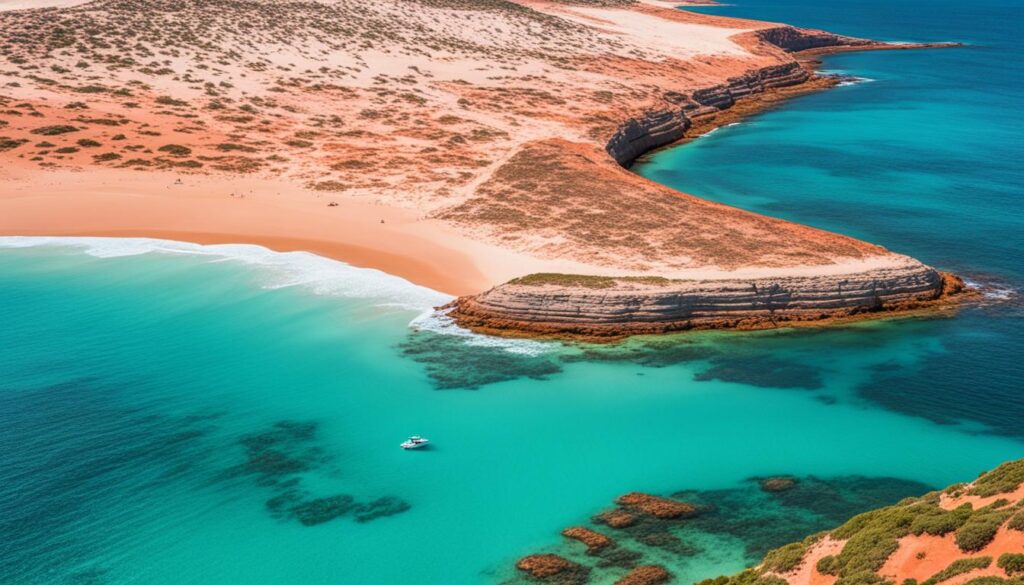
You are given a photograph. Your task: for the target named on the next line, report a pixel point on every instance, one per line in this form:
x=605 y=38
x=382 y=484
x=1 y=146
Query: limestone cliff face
x=614 y=307
x=793 y=39
x=611 y=307
x=660 y=127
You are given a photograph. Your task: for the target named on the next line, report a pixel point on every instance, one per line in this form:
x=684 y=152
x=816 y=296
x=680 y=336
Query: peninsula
x=478 y=147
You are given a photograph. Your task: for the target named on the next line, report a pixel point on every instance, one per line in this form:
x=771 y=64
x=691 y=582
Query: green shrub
x=828 y=565
x=1001 y=480
x=959 y=567
x=106 y=156
x=785 y=559
x=175 y=150
x=167 y=100
x=872 y=538
x=990 y=580
x=585 y=280
x=1012 y=563
x=980 y=529
x=864 y=578
x=9 y=143
x=88 y=143
x=119 y=137
x=229 y=146
x=91 y=89
x=299 y=143
x=1017 y=522
x=54 y=130
x=938 y=522
x=67 y=150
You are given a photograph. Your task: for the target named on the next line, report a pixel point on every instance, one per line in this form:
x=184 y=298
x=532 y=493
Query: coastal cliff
x=613 y=307
x=657 y=128
x=594 y=307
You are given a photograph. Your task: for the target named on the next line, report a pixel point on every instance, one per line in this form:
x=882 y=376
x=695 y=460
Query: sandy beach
x=458 y=168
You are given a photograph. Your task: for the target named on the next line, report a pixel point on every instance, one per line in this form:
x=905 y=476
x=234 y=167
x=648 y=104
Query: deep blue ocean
x=172 y=413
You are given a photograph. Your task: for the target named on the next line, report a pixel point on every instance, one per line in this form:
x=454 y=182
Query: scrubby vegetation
x=1003 y=479
x=1012 y=563
x=175 y=150
x=9 y=143
x=786 y=558
x=1017 y=522
x=958 y=567
x=872 y=537
x=54 y=130
x=585 y=281
x=980 y=529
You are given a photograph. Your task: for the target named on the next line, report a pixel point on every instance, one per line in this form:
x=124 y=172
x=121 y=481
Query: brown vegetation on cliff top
x=420 y=109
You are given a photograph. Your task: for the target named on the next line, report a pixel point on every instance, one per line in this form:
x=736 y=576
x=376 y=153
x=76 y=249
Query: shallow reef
x=451 y=363
x=278 y=457
x=763 y=371
x=762 y=513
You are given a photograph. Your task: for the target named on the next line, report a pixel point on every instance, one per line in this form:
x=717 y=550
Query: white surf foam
x=994 y=291
x=847 y=78
x=439 y=322
x=320 y=275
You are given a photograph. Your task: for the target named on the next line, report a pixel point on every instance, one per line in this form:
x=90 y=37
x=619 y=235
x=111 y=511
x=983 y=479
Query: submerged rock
x=553 y=569
x=615 y=518
x=379 y=508
x=646 y=575
x=595 y=541
x=617 y=556
x=323 y=510
x=777 y=484
x=656 y=506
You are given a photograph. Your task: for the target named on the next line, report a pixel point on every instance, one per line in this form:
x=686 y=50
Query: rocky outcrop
x=549 y=567
x=611 y=307
x=792 y=39
x=656 y=506
x=595 y=541
x=777 y=484
x=657 y=128
x=645 y=133
x=646 y=575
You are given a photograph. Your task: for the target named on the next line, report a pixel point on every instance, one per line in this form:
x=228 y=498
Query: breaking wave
x=322 y=276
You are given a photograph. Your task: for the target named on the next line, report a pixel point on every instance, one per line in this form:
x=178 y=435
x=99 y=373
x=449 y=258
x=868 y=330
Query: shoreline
x=473 y=240
x=772 y=98
x=394 y=244
x=565 y=306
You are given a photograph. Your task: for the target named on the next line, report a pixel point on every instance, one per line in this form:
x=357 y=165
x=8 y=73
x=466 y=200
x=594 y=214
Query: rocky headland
x=463 y=144
x=599 y=308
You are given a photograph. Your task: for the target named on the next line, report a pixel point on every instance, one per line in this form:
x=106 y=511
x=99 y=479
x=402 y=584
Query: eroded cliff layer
x=612 y=307
x=660 y=127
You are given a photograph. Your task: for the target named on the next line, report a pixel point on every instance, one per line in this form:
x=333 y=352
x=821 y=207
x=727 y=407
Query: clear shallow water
x=173 y=416
x=156 y=406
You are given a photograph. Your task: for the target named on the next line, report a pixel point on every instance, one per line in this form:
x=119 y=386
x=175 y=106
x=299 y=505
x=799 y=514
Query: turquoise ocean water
x=172 y=413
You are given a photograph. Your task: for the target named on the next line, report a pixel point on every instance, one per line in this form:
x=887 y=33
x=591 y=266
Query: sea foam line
x=323 y=276
x=318 y=274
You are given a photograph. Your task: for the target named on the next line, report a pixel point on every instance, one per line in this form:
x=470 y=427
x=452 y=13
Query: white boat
x=415 y=442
